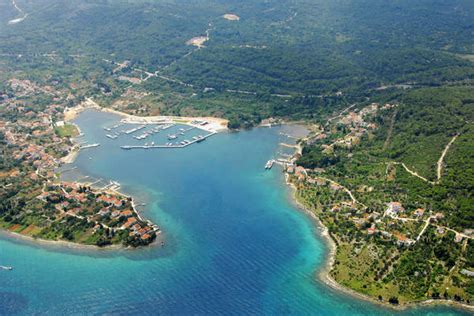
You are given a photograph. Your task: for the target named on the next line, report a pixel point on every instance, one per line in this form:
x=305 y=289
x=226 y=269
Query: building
x=419 y=212
x=393 y=209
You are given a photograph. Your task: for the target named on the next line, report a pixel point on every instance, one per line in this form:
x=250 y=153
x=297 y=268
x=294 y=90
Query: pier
x=113 y=186
x=181 y=145
x=69 y=169
x=89 y=146
x=133 y=130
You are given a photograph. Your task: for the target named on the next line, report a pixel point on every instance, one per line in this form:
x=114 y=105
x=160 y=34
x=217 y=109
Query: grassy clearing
x=67 y=130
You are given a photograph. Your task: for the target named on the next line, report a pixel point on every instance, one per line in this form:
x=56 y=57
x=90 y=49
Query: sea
x=235 y=242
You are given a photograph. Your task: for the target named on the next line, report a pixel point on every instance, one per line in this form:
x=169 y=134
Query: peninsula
x=40 y=139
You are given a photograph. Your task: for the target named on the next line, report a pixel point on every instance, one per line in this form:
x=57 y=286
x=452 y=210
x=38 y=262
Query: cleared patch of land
x=197 y=41
x=67 y=130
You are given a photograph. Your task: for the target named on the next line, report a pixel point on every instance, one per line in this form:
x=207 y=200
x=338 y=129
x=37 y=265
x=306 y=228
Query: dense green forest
x=282 y=58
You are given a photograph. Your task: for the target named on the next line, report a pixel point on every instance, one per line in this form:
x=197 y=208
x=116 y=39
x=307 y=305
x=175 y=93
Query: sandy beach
x=71 y=156
x=214 y=124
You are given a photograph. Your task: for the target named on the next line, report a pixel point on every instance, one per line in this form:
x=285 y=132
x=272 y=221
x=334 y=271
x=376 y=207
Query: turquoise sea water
x=235 y=243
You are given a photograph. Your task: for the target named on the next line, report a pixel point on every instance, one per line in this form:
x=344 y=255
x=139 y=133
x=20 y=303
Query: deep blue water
x=235 y=244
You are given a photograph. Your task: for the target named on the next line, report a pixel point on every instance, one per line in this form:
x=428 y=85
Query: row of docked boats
x=152 y=131
x=183 y=143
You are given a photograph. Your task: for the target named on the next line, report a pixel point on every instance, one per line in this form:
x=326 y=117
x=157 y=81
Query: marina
x=182 y=144
x=174 y=139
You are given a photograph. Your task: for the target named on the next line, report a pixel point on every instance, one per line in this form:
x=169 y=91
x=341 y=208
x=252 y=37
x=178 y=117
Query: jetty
x=69 y=169
x=133 y=130
x=182 y=144
x=89 y=146
x=112 y=185
x=166 y=126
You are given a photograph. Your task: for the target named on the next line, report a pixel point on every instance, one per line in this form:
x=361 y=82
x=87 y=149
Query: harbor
x=181 y=144
x=179 y=135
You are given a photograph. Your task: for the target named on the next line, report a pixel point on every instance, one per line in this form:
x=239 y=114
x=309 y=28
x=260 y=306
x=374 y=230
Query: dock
x=181 y=145
x=133 y=130
x=89 y=146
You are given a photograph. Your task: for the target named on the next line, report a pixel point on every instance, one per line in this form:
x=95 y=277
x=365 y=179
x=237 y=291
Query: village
x=394 y=222
x=382 y=234
x=38 y=140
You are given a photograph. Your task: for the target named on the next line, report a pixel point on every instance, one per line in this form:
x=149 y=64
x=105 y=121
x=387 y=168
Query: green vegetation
x=282 y=58
x=67 y=130
x=391 y=256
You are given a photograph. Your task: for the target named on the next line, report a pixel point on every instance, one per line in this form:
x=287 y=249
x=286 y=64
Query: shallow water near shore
x=235 y=243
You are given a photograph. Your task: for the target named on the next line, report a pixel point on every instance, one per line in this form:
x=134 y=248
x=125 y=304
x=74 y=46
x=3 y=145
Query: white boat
x=269 y=164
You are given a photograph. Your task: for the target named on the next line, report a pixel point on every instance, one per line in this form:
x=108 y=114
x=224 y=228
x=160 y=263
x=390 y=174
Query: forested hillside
x=281 y=58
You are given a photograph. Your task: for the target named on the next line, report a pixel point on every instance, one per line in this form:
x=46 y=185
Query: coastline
x=63 y=244
x=214 y=123
x=323 y=274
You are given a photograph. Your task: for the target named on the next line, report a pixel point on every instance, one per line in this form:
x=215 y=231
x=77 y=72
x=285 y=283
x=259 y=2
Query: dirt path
x=439 y=164
x=341 y=113
x=413 y=173
x=390 y=130
x=440 y=161
x=354 y=200
x=424 y=228
x=22 y=13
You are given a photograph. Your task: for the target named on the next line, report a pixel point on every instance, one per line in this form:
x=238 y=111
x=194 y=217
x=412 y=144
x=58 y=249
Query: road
x=443 y=154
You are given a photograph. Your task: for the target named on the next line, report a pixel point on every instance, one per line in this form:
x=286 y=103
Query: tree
x=393 y=300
